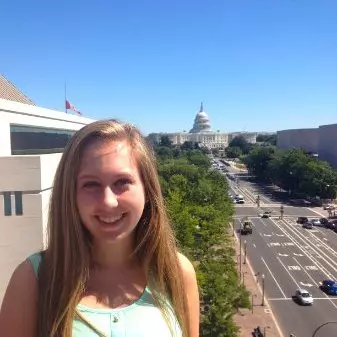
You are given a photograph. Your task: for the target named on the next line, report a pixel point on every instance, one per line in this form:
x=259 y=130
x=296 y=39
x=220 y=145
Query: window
x=38 y=140
x=18 y=203
x=7 y=203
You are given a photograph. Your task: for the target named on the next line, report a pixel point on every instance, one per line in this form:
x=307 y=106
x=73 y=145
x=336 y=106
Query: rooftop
x=9 y=92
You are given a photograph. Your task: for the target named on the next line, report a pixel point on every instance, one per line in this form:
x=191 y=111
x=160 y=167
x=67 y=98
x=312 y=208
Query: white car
x=329 y=207
x=239 y=199
x=304 y=297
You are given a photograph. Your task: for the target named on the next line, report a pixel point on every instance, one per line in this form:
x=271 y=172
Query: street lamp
x=291 y=173
x=262 y=290
x=253 y=295
x=240 y=241
x=243 y=277
x=264 y=330
x=258 y=201
x=245 y=251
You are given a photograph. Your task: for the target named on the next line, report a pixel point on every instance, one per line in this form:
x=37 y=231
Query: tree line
x=201 y=211
x=294 y=170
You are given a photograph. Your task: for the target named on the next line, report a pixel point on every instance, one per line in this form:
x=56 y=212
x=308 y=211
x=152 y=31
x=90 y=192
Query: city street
x=285 y=257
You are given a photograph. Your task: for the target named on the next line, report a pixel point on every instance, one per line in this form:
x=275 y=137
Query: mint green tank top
x=142 y=318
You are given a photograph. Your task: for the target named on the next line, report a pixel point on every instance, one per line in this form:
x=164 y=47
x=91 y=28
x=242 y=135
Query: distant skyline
x=256 y=65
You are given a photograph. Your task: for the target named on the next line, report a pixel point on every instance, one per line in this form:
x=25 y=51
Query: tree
x=257 y=162
x=165 y=141
x=269 y=139
x=188 y=145
x=240 y=142
x=233 y=152
x=200 y=211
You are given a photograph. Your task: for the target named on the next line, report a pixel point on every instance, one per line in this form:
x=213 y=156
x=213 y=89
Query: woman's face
x=110 y=193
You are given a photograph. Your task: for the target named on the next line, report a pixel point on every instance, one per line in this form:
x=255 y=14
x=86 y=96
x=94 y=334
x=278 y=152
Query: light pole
x=262 y=290
x=245 y=251
x=253 y=295
x=264 y=330
x=240 y=239
x=243 y=277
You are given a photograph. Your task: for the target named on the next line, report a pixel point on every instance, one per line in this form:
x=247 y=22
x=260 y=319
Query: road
x=290 y=257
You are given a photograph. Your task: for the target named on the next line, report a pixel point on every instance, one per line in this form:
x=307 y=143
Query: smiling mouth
x=110 y=220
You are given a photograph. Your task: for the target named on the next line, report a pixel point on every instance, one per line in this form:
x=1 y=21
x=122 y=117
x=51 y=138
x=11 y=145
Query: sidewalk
x=247 y=320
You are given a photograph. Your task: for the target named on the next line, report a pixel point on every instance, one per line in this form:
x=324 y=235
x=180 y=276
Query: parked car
x=308 y=225
x=331 y=225
x=329 y=287
x=302 y=219
x=303 y=297
x=324 y=221
x=316 y=222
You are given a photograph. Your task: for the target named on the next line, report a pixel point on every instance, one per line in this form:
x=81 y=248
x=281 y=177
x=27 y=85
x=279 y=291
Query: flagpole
x=65 y=97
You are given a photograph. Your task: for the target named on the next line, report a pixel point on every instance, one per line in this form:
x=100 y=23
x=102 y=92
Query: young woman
x=111 y=267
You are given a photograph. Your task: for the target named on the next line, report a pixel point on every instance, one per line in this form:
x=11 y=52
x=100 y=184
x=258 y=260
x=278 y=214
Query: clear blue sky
x=256 y=64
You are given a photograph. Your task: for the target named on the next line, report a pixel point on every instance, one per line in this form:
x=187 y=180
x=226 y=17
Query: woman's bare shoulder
x=192 y=293
x=186 y=266
x=18 y=309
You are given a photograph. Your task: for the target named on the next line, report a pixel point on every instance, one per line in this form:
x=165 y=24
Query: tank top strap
x=35 y=260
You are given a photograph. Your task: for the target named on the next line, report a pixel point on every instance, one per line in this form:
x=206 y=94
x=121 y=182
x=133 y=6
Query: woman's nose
x=109 y=198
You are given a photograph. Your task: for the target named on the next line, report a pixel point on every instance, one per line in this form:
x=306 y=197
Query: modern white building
x=30 y=138
x=320 y=141
x=202 y=134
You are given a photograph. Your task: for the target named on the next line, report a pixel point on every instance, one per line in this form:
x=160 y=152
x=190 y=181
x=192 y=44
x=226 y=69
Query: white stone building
x=201 y=133
x=26 y=180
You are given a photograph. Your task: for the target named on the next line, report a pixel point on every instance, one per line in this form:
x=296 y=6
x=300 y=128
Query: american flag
x=69 y=106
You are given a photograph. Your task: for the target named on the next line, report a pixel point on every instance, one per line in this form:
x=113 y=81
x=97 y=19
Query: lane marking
x=273 y=277
x=313 y=247
x=307 y=254
x=288 y=272
x=311 y=278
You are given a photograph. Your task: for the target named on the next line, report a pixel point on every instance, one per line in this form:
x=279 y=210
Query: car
x=302 y=219
x=239 y=199
x=266 y=214
x=329 y=287
x=316 y=222
x=331 y=225
x=324 y=221
x=308 y=225
x=303 y=297
x=329 y=207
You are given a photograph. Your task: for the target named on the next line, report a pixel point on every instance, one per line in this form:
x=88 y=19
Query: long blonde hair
x=65 y=265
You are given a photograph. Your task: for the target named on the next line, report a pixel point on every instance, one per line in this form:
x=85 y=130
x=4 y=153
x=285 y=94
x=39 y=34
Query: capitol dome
x=201 y=122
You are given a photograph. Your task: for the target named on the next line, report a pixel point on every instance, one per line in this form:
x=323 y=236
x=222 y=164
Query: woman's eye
x=123 y=182
x=91 y=184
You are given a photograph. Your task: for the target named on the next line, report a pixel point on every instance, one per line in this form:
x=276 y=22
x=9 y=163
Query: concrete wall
x=22 y=235
x=306 y=139
x=32 y=177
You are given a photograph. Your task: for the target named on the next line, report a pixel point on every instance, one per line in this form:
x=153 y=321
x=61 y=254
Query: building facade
x=320 y=141
x=31 y=139
x=202 y=134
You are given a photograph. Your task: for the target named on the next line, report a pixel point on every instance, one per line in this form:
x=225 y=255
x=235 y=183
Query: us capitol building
x=202 y=134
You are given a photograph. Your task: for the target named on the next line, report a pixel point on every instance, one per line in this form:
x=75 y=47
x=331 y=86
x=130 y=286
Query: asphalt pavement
x=284 y=257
